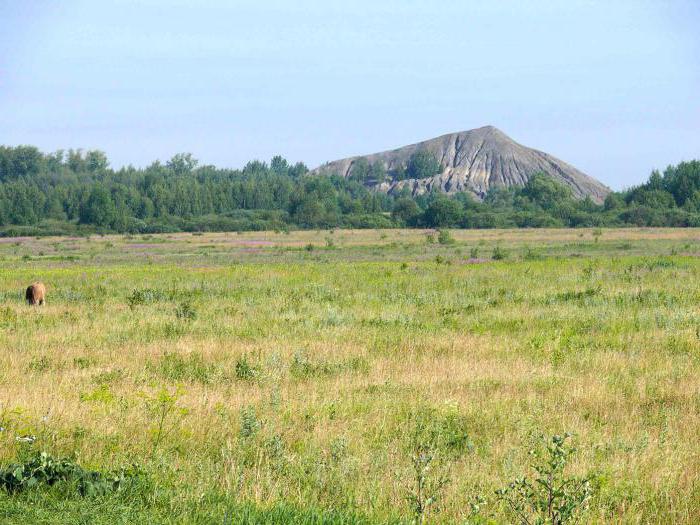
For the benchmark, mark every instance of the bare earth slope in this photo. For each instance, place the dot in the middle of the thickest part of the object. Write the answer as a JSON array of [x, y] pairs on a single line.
[[474, 161]]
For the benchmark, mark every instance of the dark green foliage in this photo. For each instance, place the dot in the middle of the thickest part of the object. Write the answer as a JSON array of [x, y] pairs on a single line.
[[359, 170], [43, 470], [422, 165], [445, 237], [406, 211], [443, 212], [77, 193]]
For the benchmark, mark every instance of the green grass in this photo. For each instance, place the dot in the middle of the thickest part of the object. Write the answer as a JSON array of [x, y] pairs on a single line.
[[286, 386]]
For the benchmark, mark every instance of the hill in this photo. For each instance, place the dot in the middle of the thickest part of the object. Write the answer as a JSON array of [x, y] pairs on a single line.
[[469, 161]]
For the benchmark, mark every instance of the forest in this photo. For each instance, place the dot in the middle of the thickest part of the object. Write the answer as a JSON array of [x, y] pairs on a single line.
[[77, 192]]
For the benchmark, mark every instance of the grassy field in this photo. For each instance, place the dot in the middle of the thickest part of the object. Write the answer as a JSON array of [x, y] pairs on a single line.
[[296, 377]]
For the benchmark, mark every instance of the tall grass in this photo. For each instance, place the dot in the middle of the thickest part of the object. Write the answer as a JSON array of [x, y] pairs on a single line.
[[289, 389]]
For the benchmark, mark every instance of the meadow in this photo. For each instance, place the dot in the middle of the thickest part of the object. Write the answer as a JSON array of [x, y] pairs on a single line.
[[330, 376]]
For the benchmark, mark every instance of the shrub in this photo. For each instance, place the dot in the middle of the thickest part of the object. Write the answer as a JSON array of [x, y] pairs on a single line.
[[141, 296], [499, 254], [445, 237], [245, 371]]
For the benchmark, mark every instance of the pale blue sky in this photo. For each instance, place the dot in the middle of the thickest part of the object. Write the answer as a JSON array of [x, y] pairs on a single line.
[[611, 87]]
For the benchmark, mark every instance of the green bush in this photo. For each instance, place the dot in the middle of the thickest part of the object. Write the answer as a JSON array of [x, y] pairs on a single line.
[[42, 469], [499, 254], [445, 237]]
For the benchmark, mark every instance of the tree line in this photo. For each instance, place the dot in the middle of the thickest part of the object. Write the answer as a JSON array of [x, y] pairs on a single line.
[[72, 192]]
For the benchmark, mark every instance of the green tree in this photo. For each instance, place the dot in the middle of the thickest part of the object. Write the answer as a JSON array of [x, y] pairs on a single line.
[[406, 210], [545, 191], [182, 163], [376, 173], [99, 208], [443, 212], [359, 170], [279, 165], [96, 161], [422, 165]]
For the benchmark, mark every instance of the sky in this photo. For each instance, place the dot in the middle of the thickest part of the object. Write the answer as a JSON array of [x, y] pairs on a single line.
[[610, 87]]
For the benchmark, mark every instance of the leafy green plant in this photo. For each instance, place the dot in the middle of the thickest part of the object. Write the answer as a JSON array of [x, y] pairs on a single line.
[[474, 253], [41, 469], [551, 498]]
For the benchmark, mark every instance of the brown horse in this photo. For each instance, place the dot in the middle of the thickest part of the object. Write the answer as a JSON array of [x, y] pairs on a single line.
[[36, 294]]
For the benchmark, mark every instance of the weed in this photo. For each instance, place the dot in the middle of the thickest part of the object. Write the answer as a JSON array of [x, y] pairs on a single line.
[[551, 498], [175, 367], [499, 253], [185, 311], [40, 364], [142, 296], [426, 489], [250, 424], [245, 371], [166, 413]]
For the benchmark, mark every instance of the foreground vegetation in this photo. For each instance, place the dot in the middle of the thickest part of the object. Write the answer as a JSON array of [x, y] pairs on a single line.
[[351, 377], [77, 193]]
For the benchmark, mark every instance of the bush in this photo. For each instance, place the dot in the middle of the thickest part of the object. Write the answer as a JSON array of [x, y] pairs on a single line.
[[445, 237], [499, 254], [42, 469], [141, 296], [245, 371]]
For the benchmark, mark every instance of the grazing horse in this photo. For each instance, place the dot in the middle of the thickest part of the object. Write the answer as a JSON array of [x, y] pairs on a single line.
[[36, 294]]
